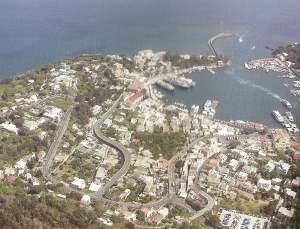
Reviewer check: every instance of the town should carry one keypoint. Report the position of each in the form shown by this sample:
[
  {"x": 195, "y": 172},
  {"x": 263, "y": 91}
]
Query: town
[{"x": 96, "y": 129}]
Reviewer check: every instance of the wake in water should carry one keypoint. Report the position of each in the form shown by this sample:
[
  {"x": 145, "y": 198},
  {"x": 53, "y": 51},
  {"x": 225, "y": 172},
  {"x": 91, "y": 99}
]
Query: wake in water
[
  {"x": 266, "y": 90},
  {"x": 241, "y": 36}
]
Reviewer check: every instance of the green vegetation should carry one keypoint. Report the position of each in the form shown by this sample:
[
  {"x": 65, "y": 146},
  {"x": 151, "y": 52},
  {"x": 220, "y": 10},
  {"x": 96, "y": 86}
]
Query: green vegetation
[
  {"x": 293, "y": 51},
  {"x": 18, "y": 210},
  {"x": 255, "y": 207},
  {"x": 60, "y": 102},
  {"x": 179, "y": 211},
  {"x": 80, "y": 165},
  {"x": 158, "y": 142},
  {"x": 14, "y": 147}
]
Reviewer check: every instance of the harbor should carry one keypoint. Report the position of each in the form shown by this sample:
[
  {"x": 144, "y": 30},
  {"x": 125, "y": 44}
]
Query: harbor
[{"x": 287, "y": 121}]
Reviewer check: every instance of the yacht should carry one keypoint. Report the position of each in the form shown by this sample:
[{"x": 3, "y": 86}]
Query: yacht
[
  {"x": 278, "y": 116},
  {"x": 289, "y": 116},
  {"x": 286, "y": 103}
]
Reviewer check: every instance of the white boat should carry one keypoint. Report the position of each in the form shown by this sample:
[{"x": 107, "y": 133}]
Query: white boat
[
  {"x": 286, "y": 103},
  {"x": 247, "y": 66},
  {"x": 278, "y": 116},
  {"x": 289, "y": 116}
]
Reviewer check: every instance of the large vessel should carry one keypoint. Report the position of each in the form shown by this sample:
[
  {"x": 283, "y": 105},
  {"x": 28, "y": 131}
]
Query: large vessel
[
  {"x": 289, "y": 116},
  {"x": 278, "y": 116},
  {"x": 286, "y": 103},
  {"x": 181, "y": 82}
]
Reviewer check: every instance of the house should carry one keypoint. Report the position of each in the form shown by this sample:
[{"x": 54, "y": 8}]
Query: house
[
  {"x": 10, "y": 127},
  {"x": 233, "y": 164},
  {"x": 158, "y": 216},
  {"x": 264, "y": 184},
  {"x": 94, "y": 187},
  {"x": 85, "y": 199},
  {"x": 241, "y": 176},
  {"x": 248, "y": 187},
  {"x": 249, "y": 169},
  {"x": 21, "y": 164},
  {"x": 136, "y": 86},
  {"x": 101, "y": 174},
  {"x": 296, "y": 155},
  {"x": 146, "y": 212},
  {"x": 60, "y": 195},
  {"x": 213, "y": 163},
  {"x": 290, "y": 193},
  {"x": 162, "y": 163},
  {"x": 223, "y": 186},
  {"x": 35, "y": 181},
  {"x": 284, "y": 212},
  {"x": 283, "y": 167},
  {"x": 270, "y": 166},
  {"x": 296, "y": 182},
  {"x": 276, "y": 181},
  {"x": 9, "y": 171},
  {"x": 53, "y": 113},
  {"x": 78, "y": 183}
]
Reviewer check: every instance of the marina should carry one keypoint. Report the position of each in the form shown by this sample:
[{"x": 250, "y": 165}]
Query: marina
[{"x": 286, "y": 121}]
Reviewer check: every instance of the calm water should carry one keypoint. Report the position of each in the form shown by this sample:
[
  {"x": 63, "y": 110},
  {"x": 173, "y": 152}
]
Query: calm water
[{"x": 35, "y": 32}]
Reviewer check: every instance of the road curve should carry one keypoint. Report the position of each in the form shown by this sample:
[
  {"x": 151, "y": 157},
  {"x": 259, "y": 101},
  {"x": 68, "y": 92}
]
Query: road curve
[{"x": 170, "y": 198}]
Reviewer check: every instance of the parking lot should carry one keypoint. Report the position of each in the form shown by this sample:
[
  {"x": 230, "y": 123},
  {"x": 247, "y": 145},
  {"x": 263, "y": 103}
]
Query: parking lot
[{"x": 235, "y": 220}]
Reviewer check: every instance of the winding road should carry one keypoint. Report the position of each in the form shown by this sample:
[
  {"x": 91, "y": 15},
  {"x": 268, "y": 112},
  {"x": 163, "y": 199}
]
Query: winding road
[{"x": 125, "y": 154}]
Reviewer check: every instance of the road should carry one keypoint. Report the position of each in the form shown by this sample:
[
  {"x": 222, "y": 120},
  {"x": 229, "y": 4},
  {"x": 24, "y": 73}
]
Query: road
[
  {"x": 170, "y": 198},
  {"x": 214, "y": 38},
  {"x": 62, "y": 126}
]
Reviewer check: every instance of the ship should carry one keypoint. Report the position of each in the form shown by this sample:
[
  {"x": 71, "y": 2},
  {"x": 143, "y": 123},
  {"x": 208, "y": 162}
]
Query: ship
[
  {"x": 289, "y": 116},
  {"x": 181, "y": 82},
  {"x": 286, "y": 103},
  {"x": 278, "y": 116}
]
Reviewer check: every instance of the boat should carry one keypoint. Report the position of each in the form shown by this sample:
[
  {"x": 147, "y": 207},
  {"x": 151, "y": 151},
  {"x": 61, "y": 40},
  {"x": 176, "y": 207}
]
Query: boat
[
  {"x": 181, "y": 82},
  {"x": 247, "y": 66},
  {"x": 278, "y": 117},
  {"x": 289, "y": 116},
  {"x": 286, "y": 103}
]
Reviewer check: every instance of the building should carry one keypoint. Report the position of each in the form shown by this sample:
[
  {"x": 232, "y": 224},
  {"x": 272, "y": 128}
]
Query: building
[
  {"x": 86, "y": 199},
  {"x": 78, "y": 183},
  {"x": 281, "y": 139},
  {"x": 136, "y": 86},
  {"x": 284, "y": 212},
  {"x": 264, "y": 184}
]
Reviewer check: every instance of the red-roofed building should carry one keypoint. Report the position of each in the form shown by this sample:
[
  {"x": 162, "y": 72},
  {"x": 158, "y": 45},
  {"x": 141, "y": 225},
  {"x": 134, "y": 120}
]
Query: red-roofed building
[
  {"x": 296, "y": 155},
  {"x": 136, "y": 86}
]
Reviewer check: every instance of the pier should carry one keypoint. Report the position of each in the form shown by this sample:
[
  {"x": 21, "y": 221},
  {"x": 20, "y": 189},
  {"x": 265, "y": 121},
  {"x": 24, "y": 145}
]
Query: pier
[{"x": 214, "y": 38}]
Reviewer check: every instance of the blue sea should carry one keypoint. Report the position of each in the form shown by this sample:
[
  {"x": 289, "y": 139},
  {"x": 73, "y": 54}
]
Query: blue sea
[{"x": 35, "y": 32}]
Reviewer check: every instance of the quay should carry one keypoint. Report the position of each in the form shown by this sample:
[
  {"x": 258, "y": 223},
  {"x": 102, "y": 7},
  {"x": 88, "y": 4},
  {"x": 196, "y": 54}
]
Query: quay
[{"x": 214, "y": 38}]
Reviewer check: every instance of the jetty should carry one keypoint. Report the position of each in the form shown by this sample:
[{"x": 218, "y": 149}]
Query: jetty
[{"x": 214, "y": 38}]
